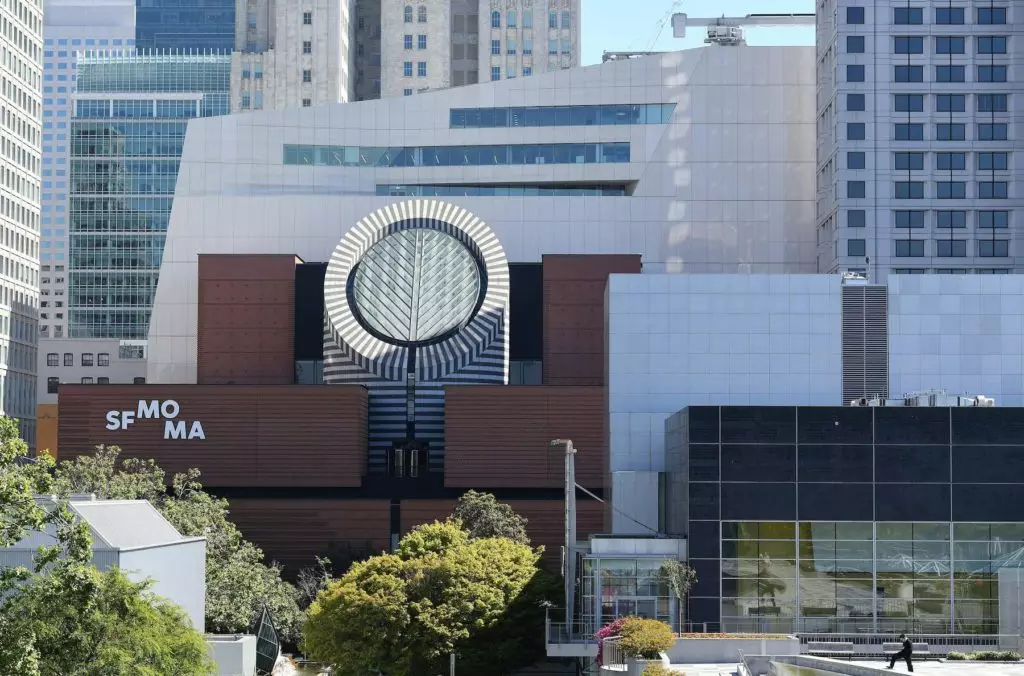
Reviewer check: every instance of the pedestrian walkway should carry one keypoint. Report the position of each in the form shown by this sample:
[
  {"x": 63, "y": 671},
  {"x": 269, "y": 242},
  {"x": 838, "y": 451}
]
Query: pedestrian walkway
[
  {"x": 706, "y": 669},
  {"x": 935, "y": 668}
]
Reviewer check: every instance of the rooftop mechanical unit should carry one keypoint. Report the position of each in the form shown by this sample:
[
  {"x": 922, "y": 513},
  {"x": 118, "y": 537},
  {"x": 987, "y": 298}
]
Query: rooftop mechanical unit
[{"x": 928, "y": 398}]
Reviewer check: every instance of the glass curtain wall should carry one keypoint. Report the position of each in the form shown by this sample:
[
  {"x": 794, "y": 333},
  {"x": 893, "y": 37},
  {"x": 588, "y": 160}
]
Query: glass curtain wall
[
  {"x": 624, "y": 587},
  {"x": 860, "y": 577}
]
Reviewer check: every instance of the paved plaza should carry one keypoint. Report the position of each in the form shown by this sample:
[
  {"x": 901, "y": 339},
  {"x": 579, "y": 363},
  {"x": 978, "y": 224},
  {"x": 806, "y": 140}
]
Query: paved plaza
[{"x": 935, "y": 667}]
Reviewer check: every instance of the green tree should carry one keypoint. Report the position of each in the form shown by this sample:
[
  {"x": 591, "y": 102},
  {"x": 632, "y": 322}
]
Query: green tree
[
  {"x": 63, "y": 617},
  {"x": 482, "y": 516},
  {"x": 680, "y": 579},
  {"x": 442, "y": 591},
  {"x": 238, "y": 583}
]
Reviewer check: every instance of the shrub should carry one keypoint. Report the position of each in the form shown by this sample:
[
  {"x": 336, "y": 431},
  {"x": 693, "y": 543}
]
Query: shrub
[
  {"x": 986, "y": 656},
  {"x": 645, "y": 639},
  {"x": 659, "y": 670}
]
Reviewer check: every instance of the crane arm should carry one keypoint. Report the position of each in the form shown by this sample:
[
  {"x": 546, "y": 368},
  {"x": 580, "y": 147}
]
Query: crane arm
[{"x": 681, "y": 21}]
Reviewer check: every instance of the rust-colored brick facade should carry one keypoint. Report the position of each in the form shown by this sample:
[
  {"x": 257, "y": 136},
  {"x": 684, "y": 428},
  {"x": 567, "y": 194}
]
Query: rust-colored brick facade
[
  {"x": 497, "y": 437},
  {"x": 574, "y": 289},
  {"x": 287, "y": 436},
  {"x": 246, "y": 315}
]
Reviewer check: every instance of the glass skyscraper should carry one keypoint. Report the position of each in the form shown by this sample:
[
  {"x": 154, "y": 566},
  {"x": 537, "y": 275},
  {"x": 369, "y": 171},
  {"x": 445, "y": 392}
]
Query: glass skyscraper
[
  {"x": 126, "y": 138},
  {"x": 185, "y": 24}
]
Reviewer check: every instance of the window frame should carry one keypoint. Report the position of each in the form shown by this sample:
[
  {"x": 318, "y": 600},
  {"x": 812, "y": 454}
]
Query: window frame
[
  {"x": 102, "y": 359},
  {"x": 87, "y": 359},
  {"x": 907, "y": 73},
  {"x": 52, "y": 359},
  {"x": 911, "y": 246},
  {"x": 950, "y": 248}
]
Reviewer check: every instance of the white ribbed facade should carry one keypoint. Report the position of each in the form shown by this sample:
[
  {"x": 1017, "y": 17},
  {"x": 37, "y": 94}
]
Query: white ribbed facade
[
  {"x": 919, "y": 136},
  {"x": 22, "y": 41}
]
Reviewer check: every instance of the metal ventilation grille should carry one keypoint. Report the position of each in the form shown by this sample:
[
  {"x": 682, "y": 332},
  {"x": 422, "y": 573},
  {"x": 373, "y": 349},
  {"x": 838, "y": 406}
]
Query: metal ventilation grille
[{"x": 865, "y": 342}]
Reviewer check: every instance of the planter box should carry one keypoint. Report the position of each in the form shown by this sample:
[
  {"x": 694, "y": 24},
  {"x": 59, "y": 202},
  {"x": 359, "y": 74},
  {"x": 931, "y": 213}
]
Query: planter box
[{"x": 725, "y": 650}]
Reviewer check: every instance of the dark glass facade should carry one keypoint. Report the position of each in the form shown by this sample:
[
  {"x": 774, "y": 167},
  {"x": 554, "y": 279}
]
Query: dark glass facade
[
  {"x": 185, "y": 24},
  {"x": 834, "y": 519}
]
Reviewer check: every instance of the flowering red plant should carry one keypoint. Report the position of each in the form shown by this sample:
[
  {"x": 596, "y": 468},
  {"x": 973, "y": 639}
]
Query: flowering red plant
[{"x": 608, "y": 631}]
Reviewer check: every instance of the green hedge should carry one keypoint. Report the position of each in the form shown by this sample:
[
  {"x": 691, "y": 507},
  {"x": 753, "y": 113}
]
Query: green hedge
[
  {"x": 986, "y": 656},
  {"x": 644, "y": 638}
]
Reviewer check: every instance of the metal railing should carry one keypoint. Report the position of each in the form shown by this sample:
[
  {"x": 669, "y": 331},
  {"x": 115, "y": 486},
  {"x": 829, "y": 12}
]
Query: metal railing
[
  {"x": 612, "y": 654},
  {"x": 938, "y": 644},
  {"x": 560, "y": 632}
]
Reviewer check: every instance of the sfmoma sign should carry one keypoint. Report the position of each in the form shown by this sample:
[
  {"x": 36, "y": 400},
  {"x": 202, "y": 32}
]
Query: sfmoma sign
[{"x": 154, "y": 409}]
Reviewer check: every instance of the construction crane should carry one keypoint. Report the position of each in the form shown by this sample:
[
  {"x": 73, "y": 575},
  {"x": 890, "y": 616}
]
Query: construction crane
[{"x": 729, "y": 31}]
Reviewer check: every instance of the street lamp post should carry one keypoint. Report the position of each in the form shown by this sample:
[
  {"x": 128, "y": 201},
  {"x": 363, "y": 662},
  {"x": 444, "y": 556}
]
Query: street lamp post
[{"x": 569, "y": 567}]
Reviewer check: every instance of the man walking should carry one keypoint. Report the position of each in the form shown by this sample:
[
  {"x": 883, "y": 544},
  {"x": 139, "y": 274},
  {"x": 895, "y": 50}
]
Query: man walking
[{"x": 906, "y": 653}]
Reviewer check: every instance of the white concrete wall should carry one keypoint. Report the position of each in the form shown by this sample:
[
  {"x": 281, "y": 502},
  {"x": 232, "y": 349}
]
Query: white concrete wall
[
  {"x": 962, "y": 333},
  {"x": 681, "y": 340},
  {"x": 726, "y": 186},
  {"x": 117, "y": 371},
  {"x": 178, "y": 572}
]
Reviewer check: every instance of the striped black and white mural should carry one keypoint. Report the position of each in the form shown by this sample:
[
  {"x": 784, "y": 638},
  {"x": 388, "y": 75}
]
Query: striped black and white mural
[{"x": 415, "y": 298}]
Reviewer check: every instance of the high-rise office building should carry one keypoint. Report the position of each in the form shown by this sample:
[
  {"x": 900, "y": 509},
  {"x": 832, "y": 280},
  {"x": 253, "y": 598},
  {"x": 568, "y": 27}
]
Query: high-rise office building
[
  {"x": 71, "y": 27},
  {"x": 918, "y": 155},
  {"x": 21, "y": 146},
  {"x": 204, "y": 25},
  {"x": 290, "y": 53},
  {"x": 430, "y": 46},
  {"x": 126, "y": 138}
]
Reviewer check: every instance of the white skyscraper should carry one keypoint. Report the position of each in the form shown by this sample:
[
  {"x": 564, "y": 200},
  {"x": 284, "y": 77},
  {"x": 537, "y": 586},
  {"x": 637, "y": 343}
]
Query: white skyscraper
[
  {"x": 21, "y": 138},
  {"x": 430, "y": 45},
  {"x": 919, "y": 145},
  {"x": 72, "y": 27}
]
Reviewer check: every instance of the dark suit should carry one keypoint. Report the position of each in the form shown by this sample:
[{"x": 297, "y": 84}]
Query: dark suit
[{"x": 906, "y": 653}]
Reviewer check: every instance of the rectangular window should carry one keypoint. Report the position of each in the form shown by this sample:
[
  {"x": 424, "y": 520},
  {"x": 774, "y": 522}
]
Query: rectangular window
[
  {"x": 307, "y": 75},
  {"x": 908, "y": 45},
  {"x": 951, "y": 219},
  {"x": 307, "y": 18},
  {"x": 527, "y": 71},
  {"x": 992, "y": 132},
  {"x": 907, "y": 16},
  {"x": 495, "y": 19},
  {"x": 949, "y": 16},
  {"x": 856, "y": 189},
  {"x": 991, "y": 73},
  {"x": 552, "y": 19},
  {"x": 854, "y": 44},
  {"x": 992, "y": 16},
  {"x": 999, "y": 220},
  {"x": 510, "y": 19},
  {"x": 854, "y": 15},
  {"x": 909, "y": 131},
  {"x": 951, "y": 132},
  {"x": 991, "y": 44},
  {"x": 992, "y": 190},
  {"x": 855, "y": 131},
  {"x": 950, "y": 73},
  {"x": 908, "y": 219},
  {"x": 86, "y": 380},
  {"x": 495, "y": 47},
  {"x": 421, "y": 69},
  {"x": 511, "y": 47},
  {"x": 993, "y": 161},
  {"x": 856, "y": 247},
  {"x": 52, "y": 385},
  {"x": 951, "y": 103},
  {"x": 421, "y": 42},
  {"x": 307, "y": 47},
  {"x": 992, "y": 103},
  {"x": 139, "y": 380},
  {"x": 495, "y": 73},
  {"x": 909, "y": 190},
  {"x": 951, "y": 190},
  {"x": 552, "y": 47},
  {"x": 854, "y": 73},
  {"x": 51, "y": 359},
  {"x": 566, "y": 21},
  {"x": 103, "y": 380},
  {"x": 908, "y": 73},
  {"x": 87, "y": 359},
  {"x": 909, "y": 103},
  {"x": 910, "y": 248},
  {"x": 949, "y": 45},
  {"x": 856, "y": 218},
  {"x": 103, "y": 359},
  {"x": 527, "y": 46},
  {"x": 306, "y": 103},
  {"x": 909, "y": 161},
  {"x": 951, "y": 161},
  {"x": 407, "y": 92},
  {"x": 951, "y": 248},
  {"x": 407, "y": 41},
  {"x": 407, "y": 69},
  {"x": 527, "y": 18},
  {"x": 993, "y": 248},
  {"x": 855, "y": 160},
  {"x": 855, "y": 102},
  {"x": 69, "y": 359}
]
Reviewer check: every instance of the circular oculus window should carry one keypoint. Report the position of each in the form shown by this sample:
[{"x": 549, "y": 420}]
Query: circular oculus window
[{"x": 416, "y": 286}]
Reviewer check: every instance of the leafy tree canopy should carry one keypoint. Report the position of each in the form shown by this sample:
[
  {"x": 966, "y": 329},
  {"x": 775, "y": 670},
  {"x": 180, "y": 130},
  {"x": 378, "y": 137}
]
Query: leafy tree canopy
[
  {"x": 63, "y": 617},
  {"x": 442, "y": 591},
  {"x": 238, "y": 583},
  {"x": 482, "y": 516}
]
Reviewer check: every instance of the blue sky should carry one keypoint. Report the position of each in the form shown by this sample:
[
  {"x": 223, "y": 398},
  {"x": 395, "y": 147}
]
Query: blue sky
[{"x": 634, "y": 25}]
